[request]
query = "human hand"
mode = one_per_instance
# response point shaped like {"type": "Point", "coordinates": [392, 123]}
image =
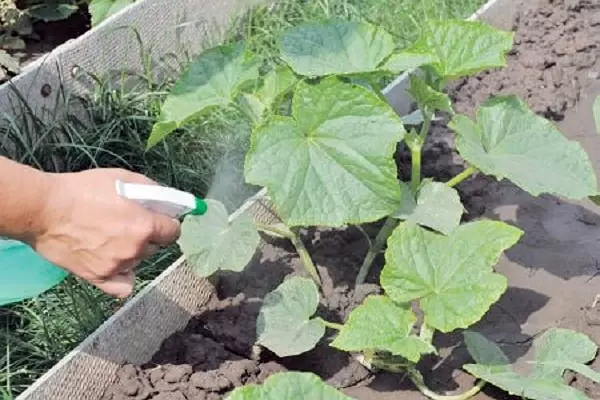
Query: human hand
{"type": "Point", "coordinates": [89, 230]}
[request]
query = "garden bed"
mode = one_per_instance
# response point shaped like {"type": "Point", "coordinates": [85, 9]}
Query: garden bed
{"type": "Point", "coordinates": [552, 271]}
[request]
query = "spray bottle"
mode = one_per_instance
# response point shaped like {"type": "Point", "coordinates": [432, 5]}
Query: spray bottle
{"type": "Point", "coordinates": [25, 274]}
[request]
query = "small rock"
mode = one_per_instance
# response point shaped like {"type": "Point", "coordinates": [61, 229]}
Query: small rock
{"type": "Point", "coordinates": [210, 380]}
{"type": "Point", "coordinates": [156, 375]}
{"type": "Point", "coordinates": [163, 386]}
{"type": "Point", "coordinates": [178, 373]}
{"type": "Point", "coordinates": [130, 387]}
{"type": "Point", "coordinates": [169, 396]}
{"type": "Point", "coordinates": [127, 372]}
{"type": "Point", "coordinates": [533, 60]}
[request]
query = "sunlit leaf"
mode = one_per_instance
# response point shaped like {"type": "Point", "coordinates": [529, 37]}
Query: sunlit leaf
{"type": "Point", "coordinates": [284, 323]}
{"type": "Point", "coordinates": [380, 324]}
{"type": "Point", "coordinates": [451, 276]}
{"type": "Point", "coordinates": [436, 206]}
{"type": "Point", "coordinates": [102, 9]}
{"type": "Point", "coordinates": [214, 79]}
{"type": "Point", "coordinates": [508, 140]}
{"type": "Point", "coordinates": [409, 59]}
{"type": "Point", "coordinates": [339, 47]}
{"type": "Point", "coordinates": [427, 97]}
{"type": "Point", "coordinates": [331, 163]}
{"type": "Point", "coordinates": [456, 48]}
{"type": "Point", "coordinates": [289, 386]}
{"type": "Point", "coordinates": [211, 242]}
{"type": "Point", "coordinates": [557, 350]}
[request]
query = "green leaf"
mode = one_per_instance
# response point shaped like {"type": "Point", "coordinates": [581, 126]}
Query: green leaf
{"type": "Point", "coordinates": [289, 386]}
{"type": "Point", "coordinates": [331, 163]}
{"type": "Point", "coordinates": [437, 206]}
{"type": "Point", "coordinates": [212, 243]}
{"type": "Point", "coordinates": [102, 9]}
{"type": "Point", "coordinates": [276, 83]}
{"type": "Point", "coordinates": [560, 346]}
{"type": "Point", "coordinates": [214, 79]}
{"type": "Point", "coordinates": [596, 111]}
{"type": "Point", "coordinates": [461, 48]}
{"type": "Point", "coordinates": [284, 323]}
{"type": "Point", "coordinates": [427, 97]}
{"type": "Point", "coordinates": [484, 351]}
{"type": "Point", "coordinates": [52, 11]}
{"type": "Point", "coordinates": [335, 47]}
{"type": "Point", "coordinates": [380, 324]}
{"type": "Point", "coordinates": [516, 385]}
{"type": "Point", "coordinates": [556, 351]}
{"type": "Point", "coordinates": [451, 276]}
{"type": "Point", "coordinates": [409, 59]}
{"type": "Point", "coordinates": [511, 141]}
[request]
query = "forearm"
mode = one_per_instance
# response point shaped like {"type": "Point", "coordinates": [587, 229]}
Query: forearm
{"type": "Point", "coordinates": [23, 196]}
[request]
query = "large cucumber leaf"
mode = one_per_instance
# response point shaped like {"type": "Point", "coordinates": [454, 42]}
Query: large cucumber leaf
{"type": "Point", "coordinates": [289, 386]}
{"type": "Point", "coordinates": [381, 324]}
{"type": "Point", "coordinates": [214, 79]}
{"type": "Point", "coordinates": [451, 276]}
{"type": "Point", "coordinates": [557, 350]}
{"type": "Point", "coordinates": [436, 206]}
{"type": "Point", "coordinates": [211, 242]}
{"type": "Point", "coordinates": [335, 48]}
{"type": "Point", "coordinates": [456, 48]}
{"type": "Point", "coordinates": [509, 140]}
{"type": "Point", "coordinates": [331, 163]}
{"type": "Point", "coordinates": [284, 323]}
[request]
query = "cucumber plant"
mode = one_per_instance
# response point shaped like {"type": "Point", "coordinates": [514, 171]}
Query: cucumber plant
{"type": "Point", "coordinates": [322, 145]}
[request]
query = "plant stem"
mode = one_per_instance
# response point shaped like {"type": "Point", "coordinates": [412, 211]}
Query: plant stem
{"type": "Point", "coordinates": [415, 179]}
{"type": "Point", "coordinates": [331, 325]}
{"type": "Point", "coordinates": [427, 118]}
{"type": "Point", "coordinates": [417, 379]}
{"type": "Point", "coordinates": [385, 231]}
{"type": "Point", "coordinates": [426, 333]}
{"type": "Point", "coordinates": [470, 170]}
{"type": "Point", "coordinates": [298, 244]}
{"type": "Point", "coordinates": [306, 258]}
{"type": "Point", "coordinates": [276, 231]}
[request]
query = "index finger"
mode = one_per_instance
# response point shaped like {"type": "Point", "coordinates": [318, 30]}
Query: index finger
{"type": "Point", "coordinates": [166, 230]}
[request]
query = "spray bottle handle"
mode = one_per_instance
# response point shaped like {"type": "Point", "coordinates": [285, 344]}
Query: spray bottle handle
{"type": "Point", "coordinates": [161, 199]}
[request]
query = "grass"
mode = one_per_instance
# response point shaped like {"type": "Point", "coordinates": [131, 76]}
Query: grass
{"type": "Point", "coordinates": [109, 129]}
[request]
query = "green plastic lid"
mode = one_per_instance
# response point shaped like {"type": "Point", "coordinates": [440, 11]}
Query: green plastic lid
{"type": "Point", "coordinates": [24, 273]}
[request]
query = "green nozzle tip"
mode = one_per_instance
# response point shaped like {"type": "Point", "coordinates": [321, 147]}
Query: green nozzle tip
{"type": "Point", "coordinates": [201, 207]}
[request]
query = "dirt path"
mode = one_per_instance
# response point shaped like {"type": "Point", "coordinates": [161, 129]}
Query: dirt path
{"type": "Point", "coordinates": [554, 272]}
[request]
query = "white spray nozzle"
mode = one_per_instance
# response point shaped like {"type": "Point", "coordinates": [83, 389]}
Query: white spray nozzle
{"type": "Point", "coordinates": [161, 199]}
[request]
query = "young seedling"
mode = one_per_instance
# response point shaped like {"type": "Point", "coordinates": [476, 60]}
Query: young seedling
{"type": "Point", "coordinates": [451, 276]}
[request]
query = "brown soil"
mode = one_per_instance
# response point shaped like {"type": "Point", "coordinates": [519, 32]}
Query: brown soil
{"type": "Point", "coordinates": [552, 272]}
